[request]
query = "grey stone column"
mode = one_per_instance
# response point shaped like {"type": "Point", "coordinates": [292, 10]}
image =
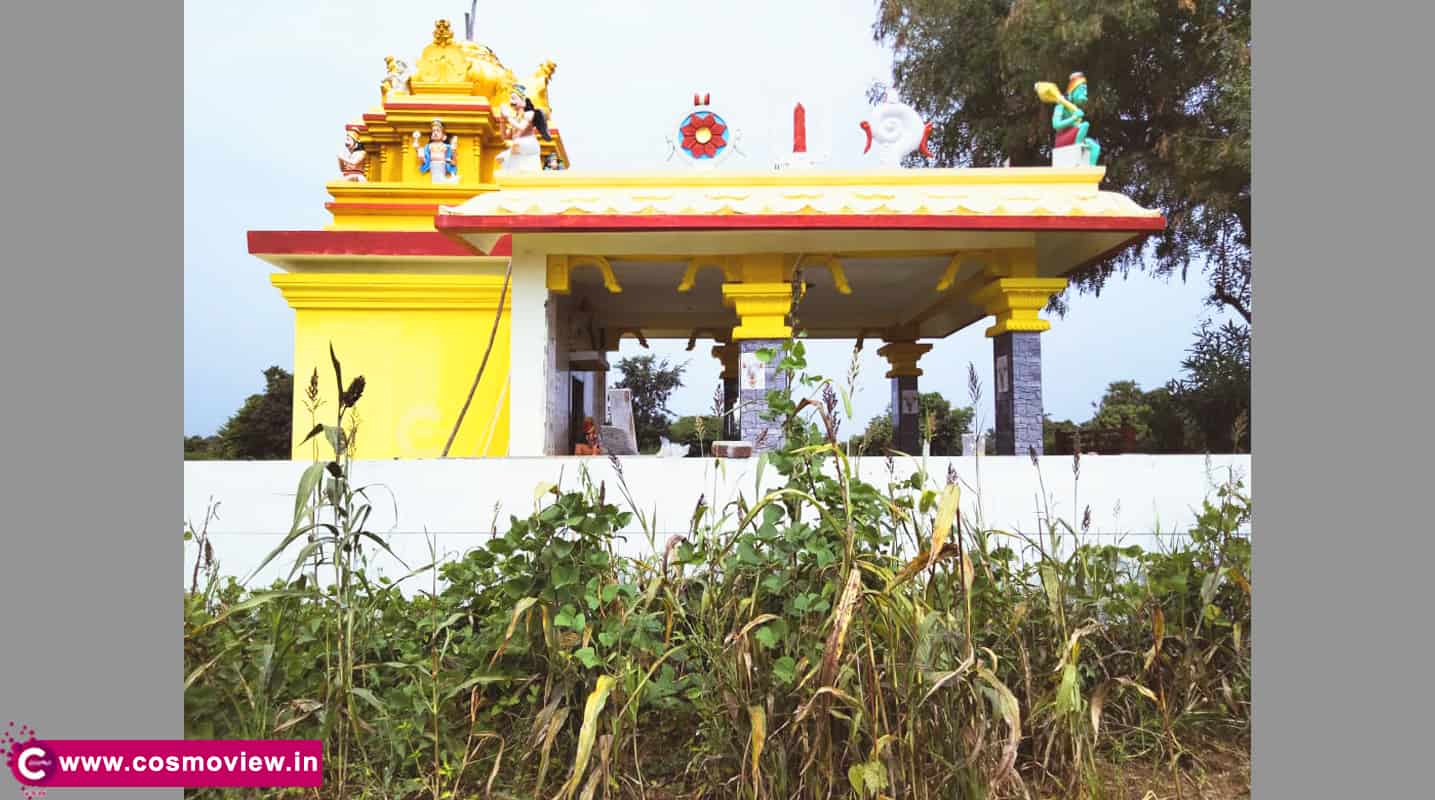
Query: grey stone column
{"type": "Point", "coordinates": [755, 382]}
{"type": "Point", "coordinates": [906, 416]}
{"type": "Point", "coordinates": [1017, 373]}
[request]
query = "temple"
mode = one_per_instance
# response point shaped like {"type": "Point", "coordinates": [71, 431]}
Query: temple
{"type": "Point", "coordinates": [454, 190]}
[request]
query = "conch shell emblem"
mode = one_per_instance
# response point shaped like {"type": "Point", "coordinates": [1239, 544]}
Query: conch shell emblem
{"type": "Point", "coordinates": [897, 130]}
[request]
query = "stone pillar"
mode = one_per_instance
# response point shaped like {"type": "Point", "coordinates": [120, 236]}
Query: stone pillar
{"type": "Point", "coordinates": [1016, 354]}
{"type": "Point", "coordinates": [906, 404]}
{"type": "Point", "coordinates": [1017, 371]}
{"type": "Point", "coordinates": [762, 301]}
{"type": "Point", "coordinates": [727, 354]}
{"type": "Point", "coordinates": [757, 380]}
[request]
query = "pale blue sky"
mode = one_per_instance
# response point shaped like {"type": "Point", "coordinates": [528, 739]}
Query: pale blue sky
{"type": "Point", "coordinates": [269, 85]}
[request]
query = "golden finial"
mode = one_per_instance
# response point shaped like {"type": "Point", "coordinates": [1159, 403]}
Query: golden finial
{"type": "Point", "coordinates": [442, 33]}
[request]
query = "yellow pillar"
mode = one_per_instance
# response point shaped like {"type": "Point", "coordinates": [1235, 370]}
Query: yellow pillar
{"type": "Point", "coordinates": [418, 341]}
{"type": "Point", "coordinates": [763, 299]}
{"type": "Point", "coordinates": [1015, 295]}
{"type": "Point", "coordinates": [902, 356]}
{"type": "Point", "coordinates": [1017, 302]}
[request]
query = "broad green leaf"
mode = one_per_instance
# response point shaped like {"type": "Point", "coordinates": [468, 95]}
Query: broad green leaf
{"type": "Point", "coordinates": [368, 697]}
{"type": "Point", "coordinates": [766, 636]}
{"type": "Point", "coordinates": [587, 657]}
{"type": "Point", "coordinates": [784, 670]}
{"type": "Point", "coordinates": [564, 575]}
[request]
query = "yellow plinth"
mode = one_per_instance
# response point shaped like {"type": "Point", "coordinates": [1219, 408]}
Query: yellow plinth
{"type": "Point", "coordinates": [762, 307]}
{"type": "Point", "coordinates": [1016, 303]}
{"type": "Point", "coordinates": [903, 358]}
{"type": "Point", "coordinates": [418, 341]}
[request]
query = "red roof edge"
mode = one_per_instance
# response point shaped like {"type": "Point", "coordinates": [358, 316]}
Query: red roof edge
{"type": "Point", "coordinates": [367, 243]}
{"type": "Point", "coordinates": [561, 223]}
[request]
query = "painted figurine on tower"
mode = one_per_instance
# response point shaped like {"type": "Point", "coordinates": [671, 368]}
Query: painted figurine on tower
{"type": "Point", "coordinates": [351, 160]}
{"type": "Point", "coordinates": [438, 158]}
{"type": "Point", "coordinates": [523, 125]}
{"type": "Point", "coordinates": [1068, 119]}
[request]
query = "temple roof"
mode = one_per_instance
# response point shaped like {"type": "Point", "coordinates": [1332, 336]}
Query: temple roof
{"type": "Point", "coordinates": [997, 199]}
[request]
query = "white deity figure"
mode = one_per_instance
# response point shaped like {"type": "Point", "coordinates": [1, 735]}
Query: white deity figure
{"type": "Point", "coordinates": [351, 159]}
{"type": "Point", "coordinates": [523, 125]}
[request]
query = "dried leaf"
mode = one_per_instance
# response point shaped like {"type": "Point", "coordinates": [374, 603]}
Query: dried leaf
{"type": "Point", "coordinates": [518, 609]}
{"type": "Point", "coordinates": [946, 513]}
{"type": "Point", "coordinates": [587, 734]}
{"type": "Point", "coordinates": [753, 623]}
{"type": "Point", "coordinates": [758, 718]}
{"type": "Point", "coordinates": [948, 678]}
{"type": "Point", "coordinates": [1150, 695]}
{"type": "Point", "coordinates": [1006, 706]}
{"type": "Point", "coordinates": [1098, 701]}
{"type": "Point", "coordinates": [842, 618]}
{"type": "Point", "coordinates": [554, 725]}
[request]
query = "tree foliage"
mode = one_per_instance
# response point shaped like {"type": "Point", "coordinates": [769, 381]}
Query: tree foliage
{"type": "Point", "coordinates": [262, 428]}
{"type": "Point", "coordinates": [652, 382]}
{"type": "Point", "coordinates": [947, 425]}
{"type": "Point", "coordinates": [1170, 102]}
{"type": "Point", "coordinates": [1215, 392]}
{"type": "Point", "coordinates": [1123, 405]}
{"type": "Point", "coordinates": [697, 432]}
{"type": "Point", "coordinates": [203, 448]}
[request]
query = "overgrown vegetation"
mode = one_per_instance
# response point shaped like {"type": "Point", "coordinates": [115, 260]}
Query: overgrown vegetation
{"type": "Point", "coordinates": [830, 637]}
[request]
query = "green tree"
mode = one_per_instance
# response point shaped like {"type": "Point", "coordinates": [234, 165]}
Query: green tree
{"type": "Point", "coordinates": [203, 448]}
{"type": "Point", "coordinates": [1215, 393]}
{"type": "Point", "coordinates": [946, 434]}
{"type": "Point", "coordinates": [652, 382]}
{"type": "Point", "coordinates": [1169, 429]}
{"type": "Point", "coordinates": [685, 430]}
{"type": "Point", "coordinates": [1170, 102]}
{"type": "Point", "coordinates": [262, 428]}
{"type": "Point", "coordinates": [1123, 405]}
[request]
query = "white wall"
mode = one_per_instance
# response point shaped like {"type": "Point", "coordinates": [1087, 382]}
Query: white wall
{"type": "Point", "coordinates": [1134, 499]}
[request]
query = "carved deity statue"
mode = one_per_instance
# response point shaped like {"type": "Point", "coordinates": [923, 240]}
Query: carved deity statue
{"type": "Point", "coordinates": [522, 125]}
{"type": "Point", "coordinates": [352, 159]}
{"type": "Point", "coordinates": [396, 78]}
{"type": "Point", "coordinates": [438, 156]}
{"type": "Point", "coordinates": [1068, 119]}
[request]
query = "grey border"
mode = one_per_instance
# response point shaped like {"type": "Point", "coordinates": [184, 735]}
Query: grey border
{"type": "Point", "coordinates": [1341, 400]}
{"type": "Point", "coordinates": [90, 425]}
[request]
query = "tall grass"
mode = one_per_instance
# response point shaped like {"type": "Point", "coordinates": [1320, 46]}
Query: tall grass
{"type": "Point", "coordinates": [826, 638]}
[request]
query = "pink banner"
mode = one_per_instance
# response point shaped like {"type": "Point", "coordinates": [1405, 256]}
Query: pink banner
{"type": "Point", "coordinates": [167, 763]}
